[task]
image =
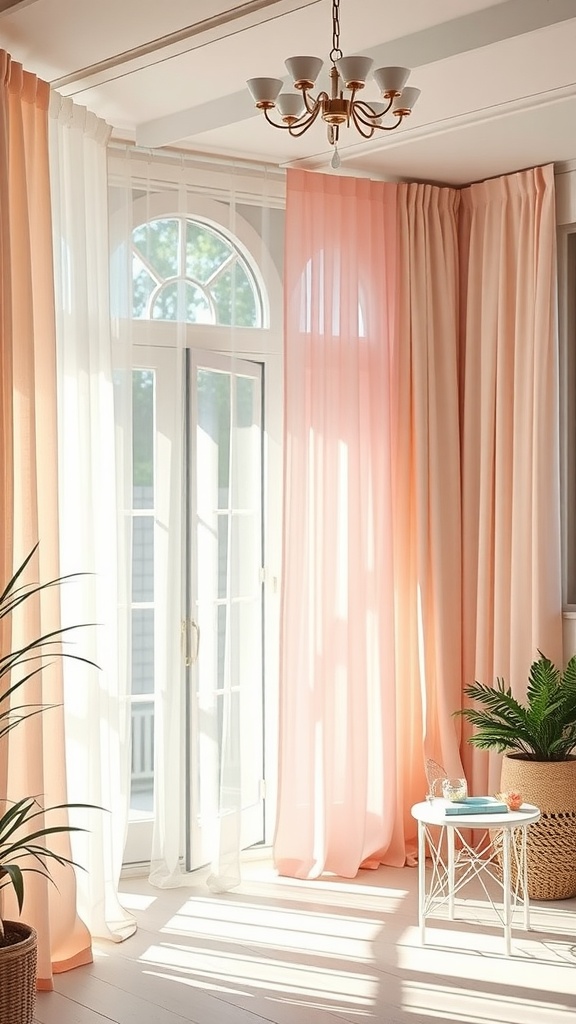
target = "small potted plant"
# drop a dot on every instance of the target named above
(538, 740)
(25, 824)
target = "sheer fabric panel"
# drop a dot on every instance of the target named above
(96, 707)
(371, 456)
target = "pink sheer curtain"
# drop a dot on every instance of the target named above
(421, 526)
(512, 600)
(32, 756)
(366, 429)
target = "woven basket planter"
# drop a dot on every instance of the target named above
(551, 841)
(18, 975)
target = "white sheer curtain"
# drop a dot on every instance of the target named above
(91, 534)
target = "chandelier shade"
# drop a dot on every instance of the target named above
(265, 90)
(354, 71)
(391, 81)
(340, 107)
(291, 105)
(304, 70)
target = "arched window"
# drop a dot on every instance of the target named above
(187, 270)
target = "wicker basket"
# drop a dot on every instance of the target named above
(551, 841)
(18, 975)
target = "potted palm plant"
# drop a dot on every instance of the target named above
(538, 740)
(25, 824)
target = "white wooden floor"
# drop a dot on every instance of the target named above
(288, 952)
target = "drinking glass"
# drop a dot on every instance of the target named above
(454, 789)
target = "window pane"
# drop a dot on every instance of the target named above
(143, 558)
(243, 570)
(198, 307)
(142, 781)
(209, 282)
(182, 301)
(157, 243)
(205, 251)
(213, 391)
(223, 521)
(142, 650)
(143, 438)
(246, 455)
(142, 287)
(233, 293)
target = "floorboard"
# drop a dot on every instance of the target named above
(331, 951)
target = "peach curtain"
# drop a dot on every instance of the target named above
(421, 521)
(371, 574)
(512, 601)
(33, 760)
(426, 485)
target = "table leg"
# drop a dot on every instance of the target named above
(451, 872)
(422, 880)
(524, 869)
(506, 890)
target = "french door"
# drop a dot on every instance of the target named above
(220, 685)
(224, 621)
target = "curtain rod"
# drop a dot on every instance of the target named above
(192, 156)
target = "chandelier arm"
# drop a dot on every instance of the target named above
(368, 111)
(273, 123)
(310, 103)
(304, 122)
(351, 104)
(360, 123)
(391, 127)
(299, 127)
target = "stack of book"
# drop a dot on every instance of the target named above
(477, 805)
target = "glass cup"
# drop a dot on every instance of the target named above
(454, 789)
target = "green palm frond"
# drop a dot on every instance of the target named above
(541, 729)
(24, 823)
(19, 840)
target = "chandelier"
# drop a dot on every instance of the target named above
(299, 110)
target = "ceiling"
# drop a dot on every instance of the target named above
(498, 77)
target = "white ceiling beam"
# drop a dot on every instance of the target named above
(208, 30)
(440, 42)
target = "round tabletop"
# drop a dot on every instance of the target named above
(433, 813)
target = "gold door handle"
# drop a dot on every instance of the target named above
(189, 655)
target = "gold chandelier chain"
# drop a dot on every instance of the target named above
(336, 52)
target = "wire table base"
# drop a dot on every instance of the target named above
(500, 859)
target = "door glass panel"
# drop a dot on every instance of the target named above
(143, 611)
(226, 602)
(141, 789)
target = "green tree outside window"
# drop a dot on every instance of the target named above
(188, 271)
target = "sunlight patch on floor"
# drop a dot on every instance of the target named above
(136, 900)
(236, 970)
(273, 926)
(472, 1006)
(476, 959)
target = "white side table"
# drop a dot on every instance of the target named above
(449, 874)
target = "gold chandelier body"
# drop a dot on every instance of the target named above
(300, 109)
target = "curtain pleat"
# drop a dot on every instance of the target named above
(512, 597)
(426, 482)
